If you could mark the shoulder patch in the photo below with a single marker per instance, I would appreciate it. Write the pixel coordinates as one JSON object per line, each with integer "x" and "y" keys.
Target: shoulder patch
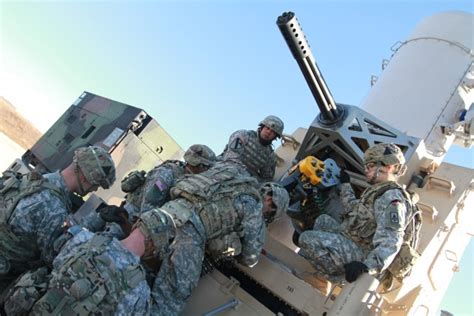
{"x": 394, "y": 211}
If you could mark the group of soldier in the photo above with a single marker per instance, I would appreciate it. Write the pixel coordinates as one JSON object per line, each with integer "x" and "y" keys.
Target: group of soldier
{"x": 148, "y": 257}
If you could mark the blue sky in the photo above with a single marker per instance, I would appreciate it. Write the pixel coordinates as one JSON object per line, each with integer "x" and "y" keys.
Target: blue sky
{"x": 203, "y": 69}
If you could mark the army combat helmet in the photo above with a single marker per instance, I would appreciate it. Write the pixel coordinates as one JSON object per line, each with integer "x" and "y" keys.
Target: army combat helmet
{"x": 96, "y": 165}
{"x": 280, "y": 199}
{"x": 157, "y": 226}
{"x": 275, "y": 123}
{"x": 199, "y": 154}
{"x": 385, "y": 154}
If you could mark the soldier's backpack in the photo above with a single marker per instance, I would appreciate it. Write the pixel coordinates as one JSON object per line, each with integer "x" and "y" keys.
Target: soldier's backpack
{"x": 212, "y": 194}
{"x": 133, "y": 181}
{"x": 15, "y": 186}
{"x": 18, "y": 253}
{"x": 88, "y": 283}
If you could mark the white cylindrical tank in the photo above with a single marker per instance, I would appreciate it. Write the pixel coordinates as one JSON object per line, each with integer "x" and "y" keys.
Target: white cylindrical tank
{"x": 423, "y": 87}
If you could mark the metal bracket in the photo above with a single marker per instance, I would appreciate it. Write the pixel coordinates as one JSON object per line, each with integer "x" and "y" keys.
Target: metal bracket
{"x": 395, "y": 308}
{"x": 229, "y": 287}
{"x": 291, "y": 140}
{"x": 440, "y": 183}
{"x": 429, "y": 210}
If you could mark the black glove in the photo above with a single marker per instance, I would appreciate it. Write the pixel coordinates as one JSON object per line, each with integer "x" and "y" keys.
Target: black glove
{"x": 354, "y": 269}
{"x": 114, "y": 214}
{"x": 344, "y": 177}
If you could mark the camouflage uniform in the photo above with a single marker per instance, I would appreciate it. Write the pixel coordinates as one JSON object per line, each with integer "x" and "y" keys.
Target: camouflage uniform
{"x": 157, "y": 182}
{"x": 245, "y": 147}
{"x": 240, "y": 231}
{"x": 371, "y": 234}
{"x": 131, "y": 296}
{"x": 372, "y": 231}
{"x": 38, "y": 219}
{"x": 34, "y": 217}
{"x": 280, "y": 201}
{"x": 154, "y": 190}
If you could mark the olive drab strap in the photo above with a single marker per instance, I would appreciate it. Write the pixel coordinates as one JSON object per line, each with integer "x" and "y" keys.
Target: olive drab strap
{"x": 88, "y": 282}
{"x": 408, "y": 255}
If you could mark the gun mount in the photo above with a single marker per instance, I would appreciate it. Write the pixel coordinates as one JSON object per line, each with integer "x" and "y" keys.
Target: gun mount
{"x": 341, "y": 132}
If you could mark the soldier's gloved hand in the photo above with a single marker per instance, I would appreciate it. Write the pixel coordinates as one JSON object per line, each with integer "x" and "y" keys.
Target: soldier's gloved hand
{"x": 114, "y": 214}
{"x": 354, "y": 269}
{"x": 344, "y": 177}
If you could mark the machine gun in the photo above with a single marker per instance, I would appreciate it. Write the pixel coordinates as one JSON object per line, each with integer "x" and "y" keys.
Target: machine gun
{"x": 341, "y": 132}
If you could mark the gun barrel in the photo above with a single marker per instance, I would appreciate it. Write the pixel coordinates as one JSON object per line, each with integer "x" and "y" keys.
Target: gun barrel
{"x": 299, "y": 47}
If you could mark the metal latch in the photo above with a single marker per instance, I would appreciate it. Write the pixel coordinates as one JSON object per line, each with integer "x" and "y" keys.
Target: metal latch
{"x": 429, "y": 210}
{"x": 437, "y": 182}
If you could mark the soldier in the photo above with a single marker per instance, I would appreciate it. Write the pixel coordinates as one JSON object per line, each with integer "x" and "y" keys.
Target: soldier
{"x": 219, "y": 210}
{"x": 373, "y": 230}
{"x": 146, "y": 191}
{"x": 254, "y": 149}
{"x": 275, "y": 201}
{"x": 33, "y": 209}
{"x": 97, "y": 274}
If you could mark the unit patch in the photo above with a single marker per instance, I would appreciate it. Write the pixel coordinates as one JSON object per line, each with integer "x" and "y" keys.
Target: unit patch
{"x": 394, "y": 217}
{"x": 394, "y": 211}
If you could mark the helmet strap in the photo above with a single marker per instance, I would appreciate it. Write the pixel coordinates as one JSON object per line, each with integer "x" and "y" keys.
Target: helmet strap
{"x": 81, "y": 192}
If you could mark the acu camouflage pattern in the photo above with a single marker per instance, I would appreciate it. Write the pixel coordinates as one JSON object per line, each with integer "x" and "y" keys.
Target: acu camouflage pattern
{"x": 275, "y": 123}
{"x": 158, "y": 227}
{"x": 27, "y": 234}
{"x": 199, "y": 154}
{"x": 280, "y": 198}
{"x": 388, "y": 154}
{"x": 213, "y": 193}
{"x": 372, "y": 231}
{"x": 154, "y": 191}
{"x": 327, "y": 249}
{"x": 245, "y": 147}
{"x": 402, "y": 219}
{"x": 95, "y": 274}
{"x": 146, "y": 191}
{"x": 205, "y": 194}
{"x": 133, "y": 181}
{"x": 180, "y": 271}
{"x": 96, "y": 165}
{"x": 25, "y": 291}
